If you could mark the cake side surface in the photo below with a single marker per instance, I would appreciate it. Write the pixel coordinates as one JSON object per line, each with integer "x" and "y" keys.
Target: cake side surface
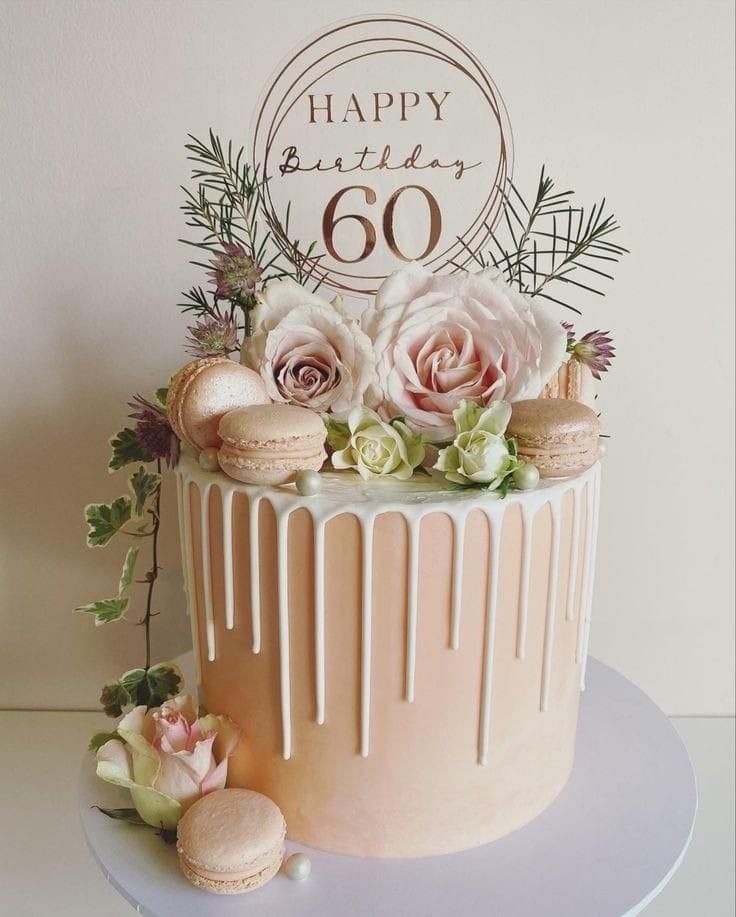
{"x": 427, "y": 708}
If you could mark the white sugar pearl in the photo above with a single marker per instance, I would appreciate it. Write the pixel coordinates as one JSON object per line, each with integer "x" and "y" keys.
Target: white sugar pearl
{"x": 298, "y": 866}
{"x": 308, "y": 482}
{"x": 208, "y": 460}
{"x": 526, "y": 476}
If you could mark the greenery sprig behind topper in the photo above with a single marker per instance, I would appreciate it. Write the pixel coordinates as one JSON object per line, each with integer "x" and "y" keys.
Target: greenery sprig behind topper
{"x": 549, "y": 240}
{"x": 546, "y": 242}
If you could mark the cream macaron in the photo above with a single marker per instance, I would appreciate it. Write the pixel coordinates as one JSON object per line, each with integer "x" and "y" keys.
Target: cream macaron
{"x": 559, "y": 436}
{"x": 271, "y": 444}
{"x": 231, "y": 841}
{"x": 203, "y": 391}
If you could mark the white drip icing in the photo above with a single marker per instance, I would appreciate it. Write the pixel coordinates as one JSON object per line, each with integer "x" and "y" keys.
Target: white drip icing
{"x": 180, "y": 516}
{"x": 366, "y": 635}
{"x": 284, "y": 652}
{"x": 489, "y": 639}
{"x": 254, "y": 539}
{"x": 527, "y": 525}
{"x": 591, "y": 578}
{"x": 413, "y": 511}
{"x": 587, "y": 568}
{"x": 204, "y": 518}
{"x": 227, "y": 557}
{"x": 188, "y": 549}
{"x": 413, "y": 532}
{"x": 319, "y": 619}
{"x": 551, "y": 615}
{"x": 574, "y": 551}
{"x": 458, "y": 555}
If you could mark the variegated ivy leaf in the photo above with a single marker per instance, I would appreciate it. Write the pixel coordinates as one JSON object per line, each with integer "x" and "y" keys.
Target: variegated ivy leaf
{"x": 99, "y": 739}
{"x": 126, "y": 577}
{"x": 144, "y": 484}
{"x": 105, "y": 519}
{"x": 113, "y": 698}
{"x": 106, "y": 610}
{"x": 164, "y": 681}
{"x": 126, "y": 449}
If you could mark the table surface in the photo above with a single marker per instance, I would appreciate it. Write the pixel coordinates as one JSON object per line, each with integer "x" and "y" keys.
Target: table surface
{"x": 45, "y": 867}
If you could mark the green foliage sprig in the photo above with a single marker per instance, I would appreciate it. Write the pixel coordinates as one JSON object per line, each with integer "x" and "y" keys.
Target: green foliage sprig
{"x": 136, "y": 515}
{"x": 538, "y": 246}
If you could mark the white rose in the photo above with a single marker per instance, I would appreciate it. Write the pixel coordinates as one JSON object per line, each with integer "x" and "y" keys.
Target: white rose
{"x": 376, "y": 448}
{"x": 308, "y": 351}
{"x": 480, "y": 454}
{"x": 439, "y": 339}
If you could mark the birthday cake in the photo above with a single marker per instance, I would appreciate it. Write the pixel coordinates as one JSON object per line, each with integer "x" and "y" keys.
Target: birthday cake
{"x": 388, "y": 477}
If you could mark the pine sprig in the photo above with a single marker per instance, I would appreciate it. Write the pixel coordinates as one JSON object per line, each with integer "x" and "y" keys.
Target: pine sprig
{"x": 542, "y": 244}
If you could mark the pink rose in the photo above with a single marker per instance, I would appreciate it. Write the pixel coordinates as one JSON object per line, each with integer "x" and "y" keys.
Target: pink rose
{"x": 308, "y": 351}
{"x": 440, "y": 339}
{"x": 168, "y": 758}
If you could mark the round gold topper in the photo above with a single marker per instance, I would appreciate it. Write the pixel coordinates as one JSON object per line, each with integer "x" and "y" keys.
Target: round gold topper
{"x": 382, "y": 140}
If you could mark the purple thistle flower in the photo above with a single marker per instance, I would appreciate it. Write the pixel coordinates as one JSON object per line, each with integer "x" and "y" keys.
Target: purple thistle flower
{"x": 154, "y": 430}
{"x": 595, "y": 349}
{"x": 234, "y": 272}
{"x": 212, "y": 337}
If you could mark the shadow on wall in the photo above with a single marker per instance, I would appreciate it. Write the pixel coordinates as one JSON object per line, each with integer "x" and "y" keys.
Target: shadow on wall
{"x": 54, "y": 463}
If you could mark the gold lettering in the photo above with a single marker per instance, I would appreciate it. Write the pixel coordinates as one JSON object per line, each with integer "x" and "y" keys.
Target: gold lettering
{"x": 354, "y": 107}
{"x": 313, "y": 109}
{"x": 437, "y": 105}
{"x": 405, "y": 104}
{"x": 377, "y": 107}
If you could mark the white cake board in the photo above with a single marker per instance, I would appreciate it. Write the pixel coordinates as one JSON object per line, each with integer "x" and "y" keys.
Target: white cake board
{"x": 605, "y": 848}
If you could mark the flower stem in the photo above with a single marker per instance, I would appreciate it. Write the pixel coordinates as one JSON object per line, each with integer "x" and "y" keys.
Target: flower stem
{"x": 153, "y": 572}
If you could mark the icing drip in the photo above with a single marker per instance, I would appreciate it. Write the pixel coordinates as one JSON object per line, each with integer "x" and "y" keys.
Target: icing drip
{"x": 489, "y": 640}
{"x": 204, "y": 503}
{"x": 284, "y": 657}
{"x": 550, "y": 618}
{"x": 189, "y": 573}
{"x": 182, "y": 529}
{"x": 587, "y": 569}
{"x": 527, "y": 523}
{"x": 596, "y": 483}
{"x": 458, "y": 553}
{"x": 574, "y": 550}
{"x": 319, "y": 618}
{"x": 366, "y": 636}
{"x": 413, "y": 531}
{"x": 582, "y": 551}
{"x": 227, "y": 556}
{"x": 254, "y": 504}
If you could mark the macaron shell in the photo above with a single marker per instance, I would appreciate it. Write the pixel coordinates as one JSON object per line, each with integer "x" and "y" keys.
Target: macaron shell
{"x": 559, "y": 436}
{"x": 203, "y": 392}
{"x": 263, "y": 471}
{"x": 226, "y": 886}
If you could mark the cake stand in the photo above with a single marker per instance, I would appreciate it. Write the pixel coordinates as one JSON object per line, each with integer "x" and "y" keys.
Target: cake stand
{"x": 605, "y": 848}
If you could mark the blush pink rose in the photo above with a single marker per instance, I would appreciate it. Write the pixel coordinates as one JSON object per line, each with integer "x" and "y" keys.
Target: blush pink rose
{"x": 442, "y": 339}
{"x": 168, "y": 758}
{"x": 308, "y": 351}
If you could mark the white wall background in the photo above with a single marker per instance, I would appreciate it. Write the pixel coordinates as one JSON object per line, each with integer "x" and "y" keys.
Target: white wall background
{"x": 633, "y": 98}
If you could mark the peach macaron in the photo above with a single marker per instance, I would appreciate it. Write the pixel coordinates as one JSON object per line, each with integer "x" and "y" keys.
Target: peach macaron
{"x": 231, "y": 841}
{"x": 557, "y": 435}
{"x": 203, "y": 391}
{"x": 270, "y": 444}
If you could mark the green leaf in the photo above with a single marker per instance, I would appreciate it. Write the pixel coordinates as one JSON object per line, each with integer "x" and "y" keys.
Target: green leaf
{"x": 106, "y": 610}
{"x": 164, "y": 681}
{"x": 143, "y": 484}
{"x": 134, "y": 684}
{"x": 129, "y": 815}
{"x": 126, "y": 577}
{"x": 105, "y": 519}
{"x": 99, "y": 739}
{"x": 113, "y": 698}
{"x": 161, "y": 394}
{"x": 126, "y": 449}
